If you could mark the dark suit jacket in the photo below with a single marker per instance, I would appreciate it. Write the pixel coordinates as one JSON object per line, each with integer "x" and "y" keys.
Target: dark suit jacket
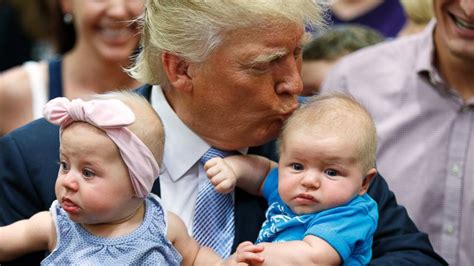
{"x": 28, "y": 170}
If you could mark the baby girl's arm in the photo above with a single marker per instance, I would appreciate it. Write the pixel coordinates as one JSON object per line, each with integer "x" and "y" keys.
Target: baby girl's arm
{"x": 193, "y": 254}
{"x": 25, "y": 236}
{"x": 246, "y": 171}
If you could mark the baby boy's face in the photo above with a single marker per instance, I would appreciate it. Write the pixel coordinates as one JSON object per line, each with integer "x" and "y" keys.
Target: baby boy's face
{"x": 318, "y": 172}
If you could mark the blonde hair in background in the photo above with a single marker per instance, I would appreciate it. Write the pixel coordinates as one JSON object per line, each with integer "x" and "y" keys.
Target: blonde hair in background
{"x": 338, "y": 114}
{"x": 193, "y": 29}
{"x": 418, "y": 11}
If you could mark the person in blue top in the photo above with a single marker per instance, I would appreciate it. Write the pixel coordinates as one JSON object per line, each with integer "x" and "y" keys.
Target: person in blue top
{"x": 318, "y": 205}
{"x": 104, "y": 212}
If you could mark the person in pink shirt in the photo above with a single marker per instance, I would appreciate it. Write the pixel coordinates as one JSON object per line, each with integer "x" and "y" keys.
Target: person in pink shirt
{"x": 420, "y": 91}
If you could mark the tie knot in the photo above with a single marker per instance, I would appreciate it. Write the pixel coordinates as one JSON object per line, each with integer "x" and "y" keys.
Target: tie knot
{"x": 214, "y": 152}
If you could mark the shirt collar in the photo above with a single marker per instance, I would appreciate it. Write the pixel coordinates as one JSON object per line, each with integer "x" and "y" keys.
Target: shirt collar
{"x": 426, "y": 56}
{"x": 183, "y": 147}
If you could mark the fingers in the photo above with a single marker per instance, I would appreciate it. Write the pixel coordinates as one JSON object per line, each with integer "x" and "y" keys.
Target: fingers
{"x": 213, "y": 162}
{"x": 225, "y": 186}
{"x": 249, "y": 247}
{"x": 249, "y": 253}
{"x": 220, "y": 175}
{"x": 249, "y": 257}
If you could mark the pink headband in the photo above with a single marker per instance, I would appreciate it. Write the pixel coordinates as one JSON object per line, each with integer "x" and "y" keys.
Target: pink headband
{"x": 112, "y": 116}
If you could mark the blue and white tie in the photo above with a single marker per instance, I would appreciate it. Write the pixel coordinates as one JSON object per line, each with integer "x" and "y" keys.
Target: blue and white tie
{"x": 213, "y": 224}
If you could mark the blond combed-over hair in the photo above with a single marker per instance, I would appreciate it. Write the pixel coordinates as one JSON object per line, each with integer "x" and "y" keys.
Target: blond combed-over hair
{"x": 192, "y": 29}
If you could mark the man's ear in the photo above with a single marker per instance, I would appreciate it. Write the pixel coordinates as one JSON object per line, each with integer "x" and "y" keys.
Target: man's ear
{"x": 177, "y": 70}
{"x": 366, "y": 182}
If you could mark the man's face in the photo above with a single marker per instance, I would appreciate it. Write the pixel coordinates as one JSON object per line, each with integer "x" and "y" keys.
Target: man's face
{"x": 455, "y": 30}
{"x": 247, "y": 87}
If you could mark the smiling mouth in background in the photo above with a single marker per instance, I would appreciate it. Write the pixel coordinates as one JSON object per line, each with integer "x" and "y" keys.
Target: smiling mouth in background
{"x": 462, "y": 24}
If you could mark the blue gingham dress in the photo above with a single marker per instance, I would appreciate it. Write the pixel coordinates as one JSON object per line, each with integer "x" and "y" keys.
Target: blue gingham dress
{"x": 147, "y": 245}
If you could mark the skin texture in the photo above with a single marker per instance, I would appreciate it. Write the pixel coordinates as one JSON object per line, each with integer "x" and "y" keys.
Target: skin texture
{"x": 258, "y": 70}
{"x": 103, "y": 27}
{"x": 455, "y": 43}
{"x": 94, "y": 188}
{"x": 93, "y": 185}
{"x": 318, "y": 169}
{"x": 318, "y": 172}
{"x": 313, "y": 73}
{"x": 104, "y": 42}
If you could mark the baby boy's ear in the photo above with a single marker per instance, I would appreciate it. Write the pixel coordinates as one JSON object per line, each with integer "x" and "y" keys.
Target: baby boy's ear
{"x": 367, "y": 179}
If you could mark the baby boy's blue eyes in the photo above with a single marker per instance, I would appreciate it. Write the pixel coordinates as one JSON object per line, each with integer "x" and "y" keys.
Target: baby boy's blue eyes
{"x": 331, "y": 172}
{"x": 328, "y": 172}
{"x": 297, "y": 166}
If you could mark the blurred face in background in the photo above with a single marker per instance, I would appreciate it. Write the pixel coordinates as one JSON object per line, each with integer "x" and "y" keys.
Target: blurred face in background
{"x": 313, "y": 74}
{"x": 454, "y": 33}
{"x": 103, "y": 26}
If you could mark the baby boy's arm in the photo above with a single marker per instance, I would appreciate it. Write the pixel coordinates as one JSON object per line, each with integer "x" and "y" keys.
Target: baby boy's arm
{"x": 311, "y": 250}
{"x": 246, "y": 171}
{"x": 25, "y": 236}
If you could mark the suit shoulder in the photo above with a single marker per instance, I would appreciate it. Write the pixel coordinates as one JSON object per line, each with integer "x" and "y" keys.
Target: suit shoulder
{"x": 38, "y": 133}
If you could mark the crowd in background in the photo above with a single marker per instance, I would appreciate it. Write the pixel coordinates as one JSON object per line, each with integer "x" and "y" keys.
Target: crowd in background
{"x": 403, "y": 60}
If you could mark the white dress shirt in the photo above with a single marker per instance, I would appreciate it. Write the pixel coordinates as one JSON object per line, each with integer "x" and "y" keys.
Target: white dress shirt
{"x": 181, "y": 170}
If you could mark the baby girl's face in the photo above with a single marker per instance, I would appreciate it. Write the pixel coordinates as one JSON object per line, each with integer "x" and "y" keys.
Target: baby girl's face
{"x": 93, "y": 184}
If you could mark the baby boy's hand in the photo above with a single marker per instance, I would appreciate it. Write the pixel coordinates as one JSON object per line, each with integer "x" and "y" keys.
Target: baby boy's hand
{"x": 221, "y": 175}
{"x": 246, "y": 254}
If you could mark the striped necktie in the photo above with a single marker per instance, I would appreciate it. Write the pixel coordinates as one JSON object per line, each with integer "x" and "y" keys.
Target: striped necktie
{"x": 213, "y": 224}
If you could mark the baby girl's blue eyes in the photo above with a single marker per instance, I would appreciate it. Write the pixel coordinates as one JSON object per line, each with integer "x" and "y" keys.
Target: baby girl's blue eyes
{"x": 88, "y": 173}
{"x": 63, "y": 166}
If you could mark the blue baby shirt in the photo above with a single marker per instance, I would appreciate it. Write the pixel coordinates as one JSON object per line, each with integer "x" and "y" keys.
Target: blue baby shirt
{"x": 347, "y": 228}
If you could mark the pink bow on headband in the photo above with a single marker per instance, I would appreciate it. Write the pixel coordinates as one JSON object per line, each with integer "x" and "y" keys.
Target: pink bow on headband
{"x": 112, "y": 116}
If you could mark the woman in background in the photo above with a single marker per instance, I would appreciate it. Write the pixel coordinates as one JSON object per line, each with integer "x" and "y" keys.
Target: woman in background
{"x": 100, "y": 42}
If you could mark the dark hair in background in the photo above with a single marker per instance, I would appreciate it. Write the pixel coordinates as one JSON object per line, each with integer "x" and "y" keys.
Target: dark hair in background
{"x": 340, "y": 40}
{"x": 22, "y": 25}
{"x": 62, "y": 35}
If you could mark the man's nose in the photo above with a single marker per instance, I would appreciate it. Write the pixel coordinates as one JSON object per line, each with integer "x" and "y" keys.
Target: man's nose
{"x": 290, "y": 78}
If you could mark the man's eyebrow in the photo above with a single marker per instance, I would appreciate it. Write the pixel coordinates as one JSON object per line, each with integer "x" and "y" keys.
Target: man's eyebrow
{"x": 268, "y": 57}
